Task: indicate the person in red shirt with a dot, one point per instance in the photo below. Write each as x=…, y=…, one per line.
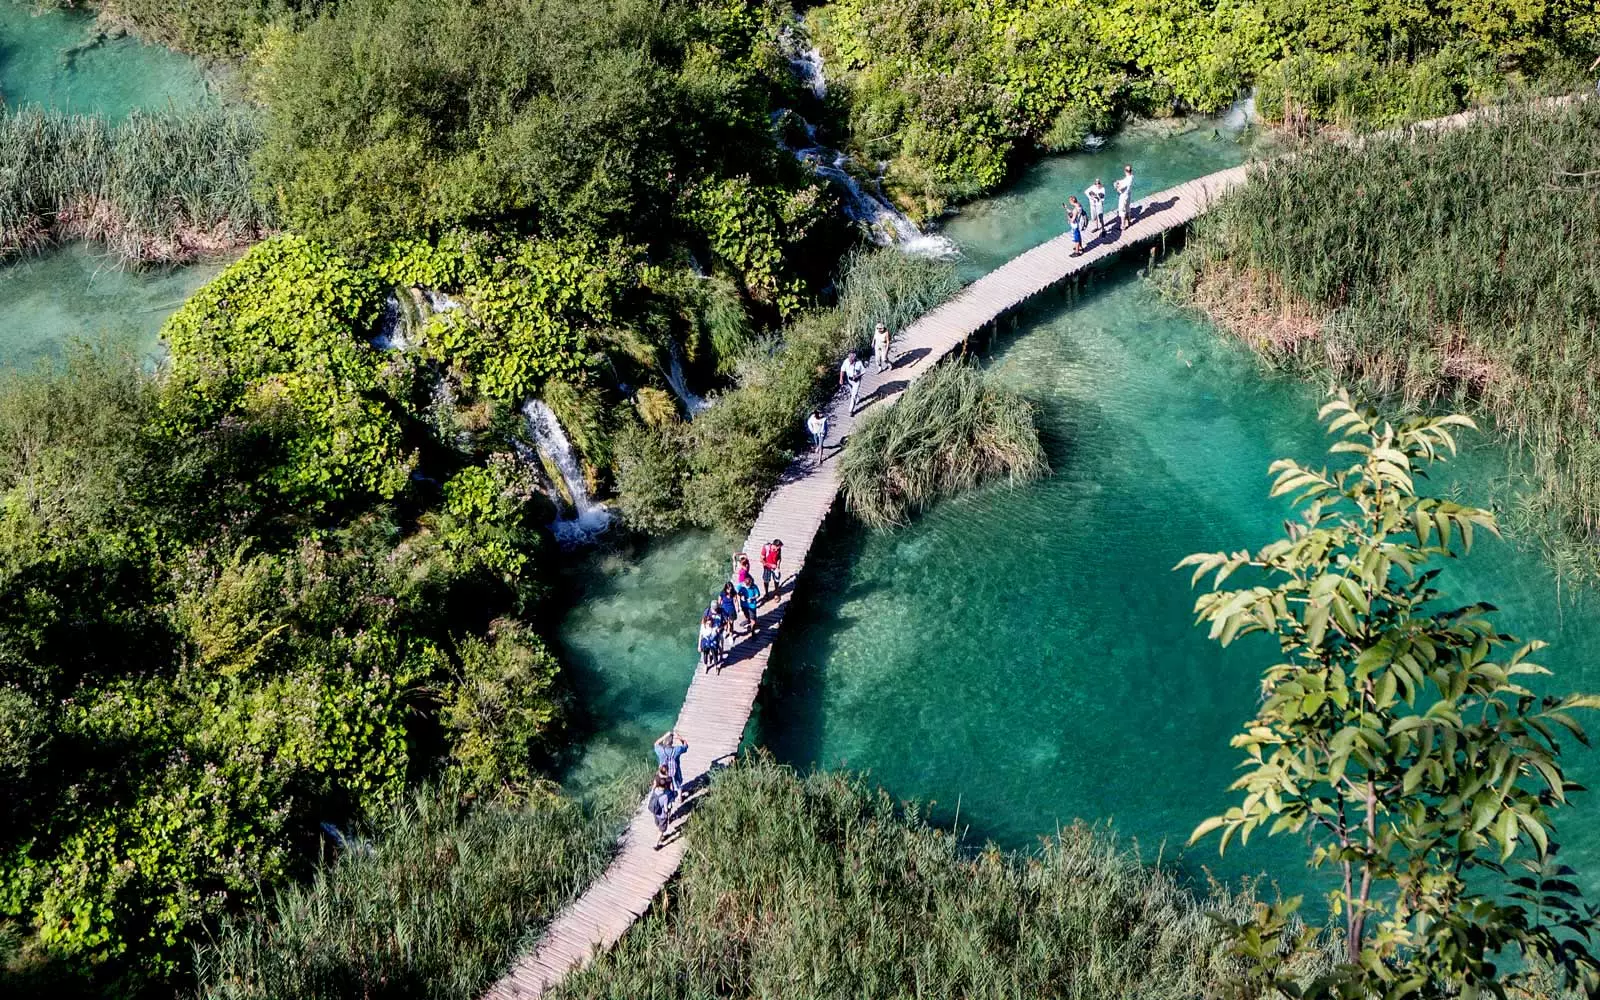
x=771, y=568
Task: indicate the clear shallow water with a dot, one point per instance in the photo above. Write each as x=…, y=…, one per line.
x=75, y=293
x=51, y=58
x=1029, y=654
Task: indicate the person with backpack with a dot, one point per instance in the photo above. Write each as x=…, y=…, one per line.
x=1075, y=219
x=771, y=568
x=659, y=803
x=850, y=374
x=710, y=640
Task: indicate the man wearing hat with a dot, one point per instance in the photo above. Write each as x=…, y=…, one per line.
x=880, y=347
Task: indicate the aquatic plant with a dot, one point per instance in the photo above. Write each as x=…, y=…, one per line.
x=432, y=901
x=823, y=887
x=953, y=429
x=156, y=188
x=1453, y=269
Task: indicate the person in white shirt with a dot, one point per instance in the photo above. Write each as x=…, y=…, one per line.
x=880, y=347
x=850, y=374
x=1124, y=195
x=1097, y=205
x=817, y=427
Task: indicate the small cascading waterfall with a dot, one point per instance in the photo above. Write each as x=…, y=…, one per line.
x=680, y=386
x=886, y=225
x=555, y=452
x=405, y=315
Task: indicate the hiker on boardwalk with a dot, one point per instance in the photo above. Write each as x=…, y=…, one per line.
x=1076, y=217
x=710, y=640
x=1124, y=197
x=850, y=374
x=880, y=347
x=817, y=427
x=1096, y=194
x=660, y=805
x=749, y=603
x=771, y=568
x=669, y=749
x=728, y=610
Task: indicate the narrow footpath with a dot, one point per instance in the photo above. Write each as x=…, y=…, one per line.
x=717, y=707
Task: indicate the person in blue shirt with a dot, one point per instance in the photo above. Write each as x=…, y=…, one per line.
x=670, y=748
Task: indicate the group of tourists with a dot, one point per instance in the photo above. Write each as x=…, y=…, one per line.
x=851, y=373
x=739, y=601
x=1080, y=218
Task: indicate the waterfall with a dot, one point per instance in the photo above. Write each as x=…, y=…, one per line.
x=680, y=387
x=867, y=206
x=405, y=315
x=555, y=452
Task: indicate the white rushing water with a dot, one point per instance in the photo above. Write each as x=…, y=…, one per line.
x=680, y=386
x=588, y=517
x=405, y=313
x=865, y=204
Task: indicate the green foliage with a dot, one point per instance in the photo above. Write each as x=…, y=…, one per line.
x=278, y=340
x=207, y=27
x=1457, y=271
x=832, y=890
x=1397, y=733
x=951, y=431
x=486, y=516
x=750, y=226
x=950, y=90
x=502, y=707
x=435, y=904
x=717, y=470
x=163, y=188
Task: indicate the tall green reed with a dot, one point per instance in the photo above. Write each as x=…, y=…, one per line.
x=1449, y=269
x=165, y=188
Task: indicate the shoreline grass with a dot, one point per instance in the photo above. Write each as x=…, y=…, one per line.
x=171, y=188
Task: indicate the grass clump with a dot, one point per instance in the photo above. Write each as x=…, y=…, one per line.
x=435, y=905
x=1452, y=270
x=953, y=429
x=168, y=188
x=821, y=887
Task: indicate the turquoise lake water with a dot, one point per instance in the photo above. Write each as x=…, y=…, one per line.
x=1028, y=655
x=57, y=58
x=74, y=292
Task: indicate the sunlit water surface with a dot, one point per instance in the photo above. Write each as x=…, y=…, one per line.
x=1028, y=656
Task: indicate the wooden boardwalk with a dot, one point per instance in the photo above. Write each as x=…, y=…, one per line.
x=718, y=705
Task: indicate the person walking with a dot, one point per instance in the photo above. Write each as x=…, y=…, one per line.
x=850, y=373
x=1124, y=198
x=1075, y=219
x=771, y=568
x=670, y=748
x=749, y=601
x=710, y=640
x=728, y=609
x=1096, y=193
x=817, y=427
x=880, y=347
x=660, y=805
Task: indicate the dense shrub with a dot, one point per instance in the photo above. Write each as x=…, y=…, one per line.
x=1454, y=269
x=953, y=429
x=822, y=887
x=951, y=90
x=156, y=188
x=432, y=902
x=206, y=27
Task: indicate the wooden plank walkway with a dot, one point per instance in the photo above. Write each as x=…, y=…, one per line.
x=718, y=704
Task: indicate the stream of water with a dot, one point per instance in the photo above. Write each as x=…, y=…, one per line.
x=74, y=292
x=1028, y=655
